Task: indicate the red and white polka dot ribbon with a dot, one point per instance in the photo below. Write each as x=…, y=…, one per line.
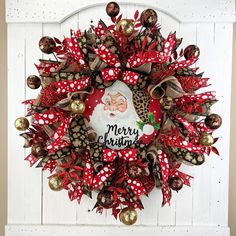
x=103, y=175
x=141, y=57
x=75, y=192
x=188, y=126
x=87, y=178
x=73, y=48
x=206, y=96
x=45, y=68
x=50, y=165
x=185, y=178
x=45, y=118
x=70, y=86
x=111, y=74
x=31, y=159
x=114, y=72
x=99, y=30
x=129, y=154
x=165, y=171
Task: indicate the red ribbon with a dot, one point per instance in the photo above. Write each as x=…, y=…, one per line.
x=109, y=155
x=114, y=72
x=128, y=154
x=75, y=192
x=167, y=173
x=141, y=57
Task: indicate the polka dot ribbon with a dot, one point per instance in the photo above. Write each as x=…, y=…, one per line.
x=45, y=68
x=31, y=159
x=72, y=86
x=74, y=49
x=103, y=175
x=188, y=126
x=141, y=57
x=114, y=72
x=176, y=173
x=50, y=165
x=180, y=142
x=111, y=74
x=128, y=154
x=206, y=96
x=75, y=192
x=99, y=30
x=45, y=118
x=192, y=83
x=87, y=178
x=165, y=171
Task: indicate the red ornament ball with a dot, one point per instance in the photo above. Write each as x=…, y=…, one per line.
x=105, y=199
x=47, y=45
x=50, y=97
x=112, y=9
x=213, y=121
x=148, y=18
x=33, y=82
x=191, y=51
x=176, y=183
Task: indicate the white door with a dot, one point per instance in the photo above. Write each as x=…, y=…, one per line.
x=33, y=209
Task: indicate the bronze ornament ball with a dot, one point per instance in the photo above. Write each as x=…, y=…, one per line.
x=175, y=183
x=55, y=183
x=47, y=44
x=37, y=150
x=191, y=51
x=148, y=18
x=166, y=103
x=105, y=199
x=33, y=82
x=77, y=106
x=206, y=139
x=128, y=216
x=21, y=124
x=125, y=27
x=213, y=121
x=112, y=9
x=134, y=171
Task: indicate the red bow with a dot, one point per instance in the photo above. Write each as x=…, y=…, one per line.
x=114, y=72
x=109, y=155
x=128, y=154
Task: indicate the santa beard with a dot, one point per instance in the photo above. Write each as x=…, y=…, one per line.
x=114, y=128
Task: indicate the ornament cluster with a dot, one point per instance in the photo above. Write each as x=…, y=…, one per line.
x=134, y=51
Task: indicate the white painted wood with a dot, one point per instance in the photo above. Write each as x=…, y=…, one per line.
x=198, y=210
x=184, y=199
x=90, y=230
x=221, y=74
x=24, y=191
x=58, y=10
x=56, y=206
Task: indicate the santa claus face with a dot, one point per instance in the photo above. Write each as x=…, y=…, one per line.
x=114, y=117
x=114, y=104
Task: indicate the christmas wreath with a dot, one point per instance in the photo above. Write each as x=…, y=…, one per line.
x=118, y=113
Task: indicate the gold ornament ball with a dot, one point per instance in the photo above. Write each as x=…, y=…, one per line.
x=125, y=27
x=206, y=139
x=21, y=124
x=128, y=216
x=55, y=183
x=77, y=106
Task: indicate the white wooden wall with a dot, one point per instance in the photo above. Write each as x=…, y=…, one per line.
x=33, y=209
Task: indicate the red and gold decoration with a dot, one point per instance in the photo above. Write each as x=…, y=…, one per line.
x=119, y=113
